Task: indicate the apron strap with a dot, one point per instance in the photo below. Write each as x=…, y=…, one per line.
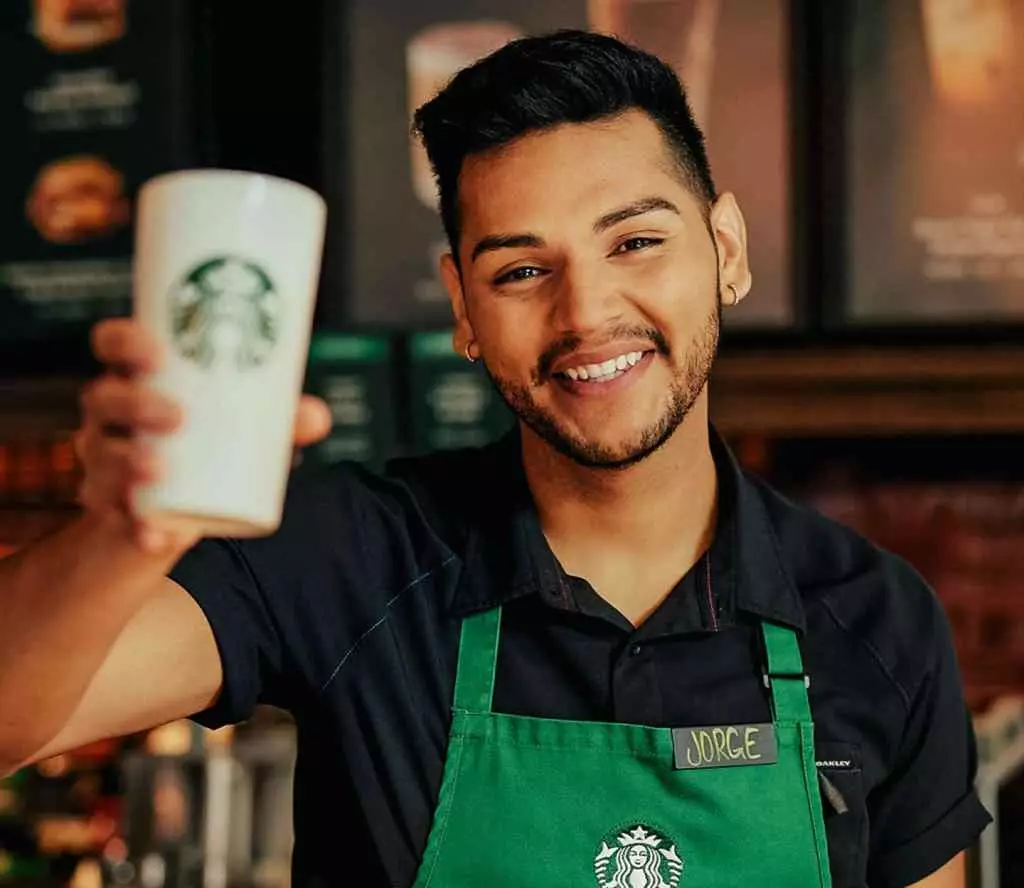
x=478, y=658
x=785, y=676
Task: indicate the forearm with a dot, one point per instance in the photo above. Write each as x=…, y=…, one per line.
x=64, y=601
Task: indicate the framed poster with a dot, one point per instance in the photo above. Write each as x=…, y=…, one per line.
x=383, y=59
x=934, y=173
x=94, y=101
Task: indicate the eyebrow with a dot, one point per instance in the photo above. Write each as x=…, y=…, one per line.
x=608, y=220
x=505, y=242
x=636, y=208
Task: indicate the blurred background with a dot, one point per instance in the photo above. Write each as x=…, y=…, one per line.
x=876, y=371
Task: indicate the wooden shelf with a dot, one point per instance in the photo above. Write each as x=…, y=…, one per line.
x=791, y=392
x=38, y=408
x=869, y=392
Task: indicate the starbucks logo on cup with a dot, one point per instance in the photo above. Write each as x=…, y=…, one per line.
x=226, y=311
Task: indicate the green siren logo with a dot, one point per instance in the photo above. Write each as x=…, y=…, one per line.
x=226, y=309
x=637, y=857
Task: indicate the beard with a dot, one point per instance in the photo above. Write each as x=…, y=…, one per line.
x=686, y=387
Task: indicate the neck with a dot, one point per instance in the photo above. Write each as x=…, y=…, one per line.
x=633, y=532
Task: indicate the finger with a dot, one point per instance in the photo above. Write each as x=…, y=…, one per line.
x=124, y=344
x=313, y=420
x=113, y=473
x=124, y=459
x=112, y=401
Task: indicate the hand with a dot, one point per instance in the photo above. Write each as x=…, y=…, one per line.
x=117, y=407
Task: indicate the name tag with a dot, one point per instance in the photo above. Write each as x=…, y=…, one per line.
x=725, y=746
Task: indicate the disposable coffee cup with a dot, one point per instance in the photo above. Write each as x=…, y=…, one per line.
x=226, y=272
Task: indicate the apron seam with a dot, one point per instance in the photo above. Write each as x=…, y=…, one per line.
x=446, y=816
x=817, y=817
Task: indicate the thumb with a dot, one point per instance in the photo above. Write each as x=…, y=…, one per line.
x=312, y=421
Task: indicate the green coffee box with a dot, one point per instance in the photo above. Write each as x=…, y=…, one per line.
x=453, y=403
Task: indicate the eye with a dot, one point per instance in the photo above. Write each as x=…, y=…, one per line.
x=636, y=243
x=523, y=273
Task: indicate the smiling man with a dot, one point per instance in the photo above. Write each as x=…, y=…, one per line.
x=594, y=653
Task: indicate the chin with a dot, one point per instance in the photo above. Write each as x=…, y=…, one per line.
x=616, y=443
x=604, y=449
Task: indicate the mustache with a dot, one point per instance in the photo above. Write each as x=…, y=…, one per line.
x=570, y=342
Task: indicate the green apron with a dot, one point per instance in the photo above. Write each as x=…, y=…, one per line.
x=546, y=803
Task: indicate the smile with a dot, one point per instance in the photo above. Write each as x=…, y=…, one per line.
x=606, y=371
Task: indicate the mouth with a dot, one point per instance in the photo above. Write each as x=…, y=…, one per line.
x=594, y=377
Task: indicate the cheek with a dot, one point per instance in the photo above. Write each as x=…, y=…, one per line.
x=512, y=335
x=676, y=296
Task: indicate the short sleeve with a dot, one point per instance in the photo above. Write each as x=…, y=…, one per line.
x=927, y=811
x=218, y=576
x=286, y=608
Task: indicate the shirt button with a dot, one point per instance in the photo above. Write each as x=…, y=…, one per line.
x=635, y=650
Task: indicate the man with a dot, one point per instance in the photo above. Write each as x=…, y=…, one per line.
x=664, y=620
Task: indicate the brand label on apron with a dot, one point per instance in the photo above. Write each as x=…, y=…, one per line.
x=724, y=746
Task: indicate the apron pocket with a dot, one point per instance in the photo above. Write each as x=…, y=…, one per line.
x=843, y=805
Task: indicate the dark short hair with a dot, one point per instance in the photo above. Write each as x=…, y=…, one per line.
x=539, y=82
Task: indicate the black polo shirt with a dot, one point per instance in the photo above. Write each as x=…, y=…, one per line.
x=349, y=618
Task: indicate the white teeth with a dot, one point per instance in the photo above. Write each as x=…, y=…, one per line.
x=605, y=370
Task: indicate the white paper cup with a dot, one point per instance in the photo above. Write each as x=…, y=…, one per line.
x=226, y=272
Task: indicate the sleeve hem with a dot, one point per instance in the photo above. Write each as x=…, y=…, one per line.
x=928, y=852
x=231, y=705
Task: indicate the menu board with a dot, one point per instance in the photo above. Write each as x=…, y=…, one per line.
x=935, y=168
x=733, y=57
x=93, y=101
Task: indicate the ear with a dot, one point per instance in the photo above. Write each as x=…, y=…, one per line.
x=729, y=230
x=462, y=336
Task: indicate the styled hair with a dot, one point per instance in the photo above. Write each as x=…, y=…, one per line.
x=535, y=83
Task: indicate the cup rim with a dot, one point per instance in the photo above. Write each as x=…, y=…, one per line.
x=228, y=173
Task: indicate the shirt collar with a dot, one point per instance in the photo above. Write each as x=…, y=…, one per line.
x=506, y=556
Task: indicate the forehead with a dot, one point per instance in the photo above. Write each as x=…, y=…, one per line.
x=568, y=172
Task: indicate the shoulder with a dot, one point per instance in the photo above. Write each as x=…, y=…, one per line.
x=860, y=595
x=345, y=526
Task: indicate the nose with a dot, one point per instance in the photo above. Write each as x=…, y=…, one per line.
x=587, y=299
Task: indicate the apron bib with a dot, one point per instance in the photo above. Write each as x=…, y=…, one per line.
x=546, y=803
